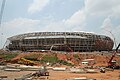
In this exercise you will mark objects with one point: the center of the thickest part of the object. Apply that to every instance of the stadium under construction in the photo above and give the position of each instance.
(60, 41)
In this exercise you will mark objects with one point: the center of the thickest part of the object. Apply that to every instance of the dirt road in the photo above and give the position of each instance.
(62, 75)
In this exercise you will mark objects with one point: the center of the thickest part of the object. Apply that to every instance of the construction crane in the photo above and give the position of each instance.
(111, 63)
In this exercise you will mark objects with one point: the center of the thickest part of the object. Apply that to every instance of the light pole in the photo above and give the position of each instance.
(114, 40)
(1, 14)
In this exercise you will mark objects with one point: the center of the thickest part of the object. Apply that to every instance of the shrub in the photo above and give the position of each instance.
(76, 56)
(65, 63)
(49, 58)
(33, 57)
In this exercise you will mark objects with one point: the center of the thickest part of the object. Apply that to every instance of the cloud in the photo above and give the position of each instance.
(23, 25)
(55, 26)
(17, 26)
(111, 30)
(103, 7)
(108, 9)
(107, 24)
(77, 19)
(74, 23)
(37, 5)
(20, 25)
(109, 27)
(116, 11)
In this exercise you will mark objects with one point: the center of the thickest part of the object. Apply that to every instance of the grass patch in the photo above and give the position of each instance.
(8, 56)
(49, 58)
(76, 56)
(53, 59)
(33, 57)
(65, 63)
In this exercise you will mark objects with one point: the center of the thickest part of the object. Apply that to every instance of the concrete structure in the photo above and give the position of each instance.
(60, 41)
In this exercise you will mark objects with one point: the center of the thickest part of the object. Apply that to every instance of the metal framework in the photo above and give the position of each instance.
(60, 41)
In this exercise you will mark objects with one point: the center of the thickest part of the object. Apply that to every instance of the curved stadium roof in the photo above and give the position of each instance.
(50, 35)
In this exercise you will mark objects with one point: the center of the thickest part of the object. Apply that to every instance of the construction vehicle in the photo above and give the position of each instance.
(112, 63)
(42, 72)
(27, 62)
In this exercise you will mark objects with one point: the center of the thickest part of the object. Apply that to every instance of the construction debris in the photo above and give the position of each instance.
(92, 70)
(2, 77)
(25, 77)
(81, 78)
(76, 70)
(59, 69)
(8, 69)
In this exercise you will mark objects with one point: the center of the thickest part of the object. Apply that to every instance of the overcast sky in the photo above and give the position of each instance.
(97, 16)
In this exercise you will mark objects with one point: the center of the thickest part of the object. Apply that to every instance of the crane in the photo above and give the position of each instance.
(112, 64)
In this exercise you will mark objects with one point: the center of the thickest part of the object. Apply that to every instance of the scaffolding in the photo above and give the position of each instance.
(60, 41)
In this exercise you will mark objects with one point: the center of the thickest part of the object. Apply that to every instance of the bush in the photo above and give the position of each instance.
(49, 58)
(32, 57)
(65, 63)
(76, 56)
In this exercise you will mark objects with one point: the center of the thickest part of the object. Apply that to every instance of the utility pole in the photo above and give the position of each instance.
(1, 15)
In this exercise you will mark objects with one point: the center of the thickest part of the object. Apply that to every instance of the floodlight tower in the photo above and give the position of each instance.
(114, 40)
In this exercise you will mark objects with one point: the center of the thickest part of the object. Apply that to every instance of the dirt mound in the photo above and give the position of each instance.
(74, 58)
(4, 51)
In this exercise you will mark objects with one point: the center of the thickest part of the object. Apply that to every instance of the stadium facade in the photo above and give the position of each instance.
(60, 41)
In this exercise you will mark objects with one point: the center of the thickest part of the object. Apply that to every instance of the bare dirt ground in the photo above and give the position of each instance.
(13, 75)
(101, 59)
(98, 76)
(62, 75)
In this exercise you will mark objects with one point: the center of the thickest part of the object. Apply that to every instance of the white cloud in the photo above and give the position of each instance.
(107, 24)
(37, 5)
(116, 11)
(24, 25)
(74, 23)
(109, 9)
(20, 25)
(111, 30)
(103, 7)
(55, 26)
(109, 27)
(77, 19)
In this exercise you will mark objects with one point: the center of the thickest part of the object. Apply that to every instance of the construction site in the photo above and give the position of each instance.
(59, 56)
(59, 65)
